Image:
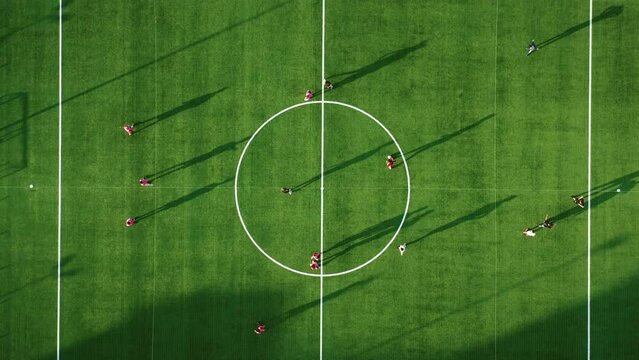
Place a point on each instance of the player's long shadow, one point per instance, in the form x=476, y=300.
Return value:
x=16, y=129
x=475, y=215
x=383, y=61
x=600, y=194
x=602, y=248
x=287, y=315
x=414, y=152
x=53, y=273
x=141, y=125
x=231, y=145
x=373, y=233
x=167, y=55
x=212, y=323
x=184, y=199
x=53, y=19
x=610, y=12
x=342, y=165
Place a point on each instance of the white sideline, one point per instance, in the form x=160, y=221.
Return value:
x=589, y=157
x=57, y=331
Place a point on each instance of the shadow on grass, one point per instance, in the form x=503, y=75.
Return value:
x=141, y=125
x=610, y=12
x=414, y=152
x=600, y=194
x=207, y=324
x=503, y=291
x=386, y=227
x=342, y=165
x=562, y=334
x=14, y=136
x=167, y=55
x=232, y=145
x=52, y=274
x=475, y=215
x=289, y=314
x=52, y=19
x=348, y=77
x=181, y=200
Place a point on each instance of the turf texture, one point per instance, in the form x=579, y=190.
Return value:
x=493, y=140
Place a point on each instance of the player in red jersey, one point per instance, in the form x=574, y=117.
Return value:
x=314, y=265
x=390, y=162
x=316, y=256
x=145, y=182
x=260, y=329
x=308, y=96
x=130, y=221
x=129, y=129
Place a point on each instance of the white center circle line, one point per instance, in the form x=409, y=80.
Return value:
x=239, y=212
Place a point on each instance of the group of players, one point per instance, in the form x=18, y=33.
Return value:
x=547, y=224
x=316, y=256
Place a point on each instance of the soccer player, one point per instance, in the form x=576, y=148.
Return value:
x=546, y=224
x=316, y=256
x=529, y=232
x=130, y=221
x=260, y=329
x=328, y=85
x=314, y=265
x=578, y=200
x=286, y=190
x=402, y=249
x=532, y=47
x=309, y=95
x=144, y=182
x=390, y=162
x=129, y=129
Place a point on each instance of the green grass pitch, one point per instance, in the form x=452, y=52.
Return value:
x=493, y=139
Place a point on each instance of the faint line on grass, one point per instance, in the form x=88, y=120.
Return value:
x=495, y=167
x=155, y=161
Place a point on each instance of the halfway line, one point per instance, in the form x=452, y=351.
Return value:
x=59, y=175
x=322, y=188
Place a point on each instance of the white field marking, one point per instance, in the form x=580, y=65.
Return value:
x=589, y=157
x=495, y=166
x=239, y=212
x=57, y=329
x=321, y=307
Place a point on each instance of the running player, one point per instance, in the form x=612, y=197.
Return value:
x=402, y=249
x=546, y=224
x=532, y=47
x=328, y=85
x=316, y=256
x=144, y=182
x=286, y=190
x=129, y=129
x=314, y=265
x=578, y=200
x=130, y=221
x=390, y=162
x=260, y=329
x=308, y=96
